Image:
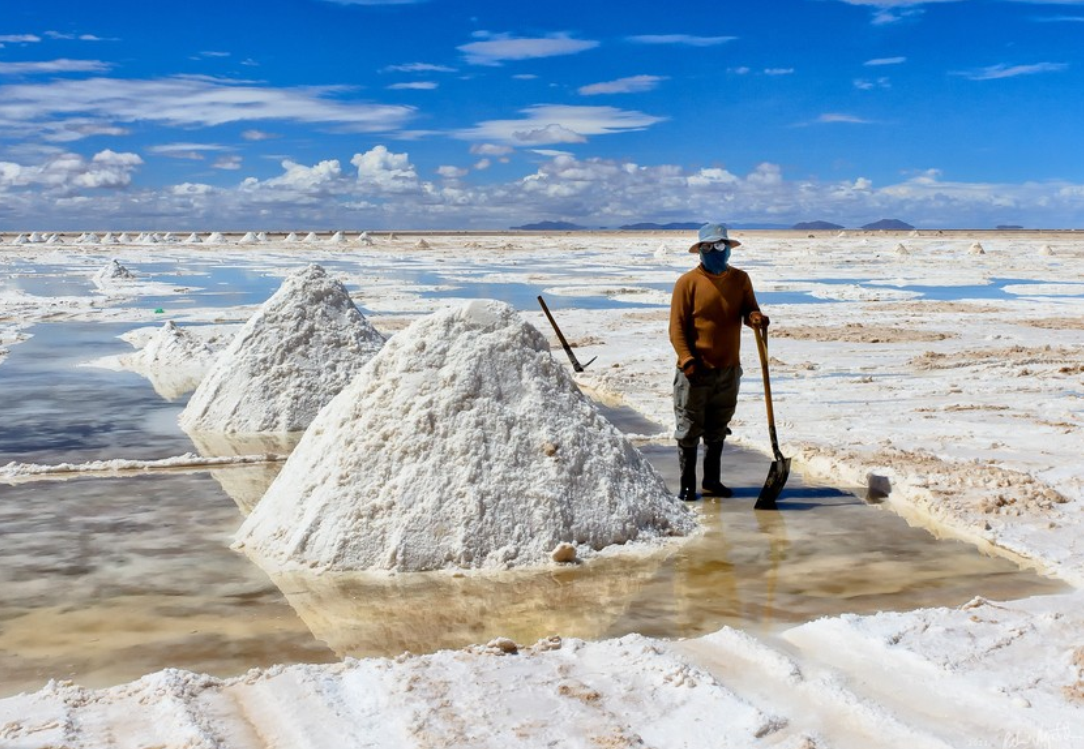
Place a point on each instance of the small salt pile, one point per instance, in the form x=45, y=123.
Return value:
x=169, y=238
x=976, y=249
x=422, y=245
x=54, y=239
x=661, y=252
x=109, y=238
x=111, y=273
x=261, y=236
x=901, y=249
x=193, y=238
x=216, y=238
x=35, y=238
x=175, y=360
x=291, y=237
x=1046, y=250
x=292, y=356
x=311, y=237
x=124, y=238
x=249, y=238
x=337, y=238
x=21, y=239
x=91, y=238
x=364, y=238
x=463, y=443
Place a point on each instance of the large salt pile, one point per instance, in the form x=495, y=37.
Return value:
x=174, y=360
x=292, y=356
x=463, y=443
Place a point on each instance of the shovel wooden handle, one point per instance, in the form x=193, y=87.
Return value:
x=762, y=348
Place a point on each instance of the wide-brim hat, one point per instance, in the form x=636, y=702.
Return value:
x=710, y=233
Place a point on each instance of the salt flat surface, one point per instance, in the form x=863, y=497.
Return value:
x=949, y=382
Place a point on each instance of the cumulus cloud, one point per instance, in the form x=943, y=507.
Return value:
x=229, y=163
x=452, y=172
x=494, y=49
x=191, y=151
x=490, y=149
x=66, y=173
x=257, y=135
x=631, y=85
x=687, y=40
x=382, y=171
x=546, y=124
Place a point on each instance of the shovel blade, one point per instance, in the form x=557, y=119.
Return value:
x=778, y=473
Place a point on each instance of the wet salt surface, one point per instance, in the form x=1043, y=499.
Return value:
x=104, y=580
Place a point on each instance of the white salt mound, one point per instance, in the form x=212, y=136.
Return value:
x=292, y=356
x=216, y=238
x=249, y=238
x=311, y=237
x=174, y=360
x=463, y=443
x=337, y=238
x=976, y=249
x=1046, y=250
x=193, y=238
x=111, y=273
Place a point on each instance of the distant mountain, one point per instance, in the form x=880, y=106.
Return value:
x=676, y=226
x=888, y=224
x=549, y=226
x=1007, y=227
x=816, y=225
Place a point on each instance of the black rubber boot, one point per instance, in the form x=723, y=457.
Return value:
x=712, y=459
x=687, y=461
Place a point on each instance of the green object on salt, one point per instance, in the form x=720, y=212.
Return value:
x=159, y=311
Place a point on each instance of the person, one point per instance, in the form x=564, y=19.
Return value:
x=707, y=309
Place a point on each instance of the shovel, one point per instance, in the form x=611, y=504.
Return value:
x=780, y=469
x=564, y=344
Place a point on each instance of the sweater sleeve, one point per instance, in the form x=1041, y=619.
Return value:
x=681, y=310
x=749, y=300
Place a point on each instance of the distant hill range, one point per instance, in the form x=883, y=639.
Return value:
x=550, y=226
x=888, y=224
x=1007, y=227
x=675, y=226
x=816, y=226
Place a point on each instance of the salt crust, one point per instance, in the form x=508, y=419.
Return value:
x=293, y=355
x=463, y=443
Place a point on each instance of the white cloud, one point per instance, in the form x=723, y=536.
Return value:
x=418, y=67
x=452, y=172
x=631, y=85
x=482, y=164
x=191, y=151
x=778, y=71
x=381, y=171
x=864, y=84
x=191, y=101
x=497, y=48
x=54, y=66
x=885, y=61
x=545, y=124
x=525, y=77
x=687, y=40
x=832, y=118
x=19, y=38
x=257, y=135
x=490, y=149
x=995, y=72
x=298, y=179
x=414, y=86
x=66, y=173
x=229, y=163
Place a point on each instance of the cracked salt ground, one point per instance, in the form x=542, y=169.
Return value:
x=108, y=579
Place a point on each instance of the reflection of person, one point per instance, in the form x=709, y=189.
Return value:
x=707, y=309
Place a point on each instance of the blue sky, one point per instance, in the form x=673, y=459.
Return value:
x=287, y=114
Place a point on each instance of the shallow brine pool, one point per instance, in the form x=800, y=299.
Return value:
x=105, y=579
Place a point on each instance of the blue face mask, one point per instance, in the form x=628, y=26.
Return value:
x=715, y=261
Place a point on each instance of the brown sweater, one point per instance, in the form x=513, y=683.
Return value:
x=706, y=315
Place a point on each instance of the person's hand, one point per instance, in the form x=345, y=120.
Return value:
x=758, y=320
x=689, y=369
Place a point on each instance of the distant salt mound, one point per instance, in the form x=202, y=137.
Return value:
x=976, y=249
x=21, y=239
x=364, y=238
x=193, y=238
x=901, y=249
x=293, y=356
x=216, y=238
x=337, y=238
x=422, y=245
x=463, y=443
x=1046, y=250
x=249, y=238
x=661, y=252
x=112, y=273
x=311, y=237
x=291, y=237
x=54, y=239
x=109, y=238
x=124, y=238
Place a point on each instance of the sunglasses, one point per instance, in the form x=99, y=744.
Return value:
x=720, y=245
